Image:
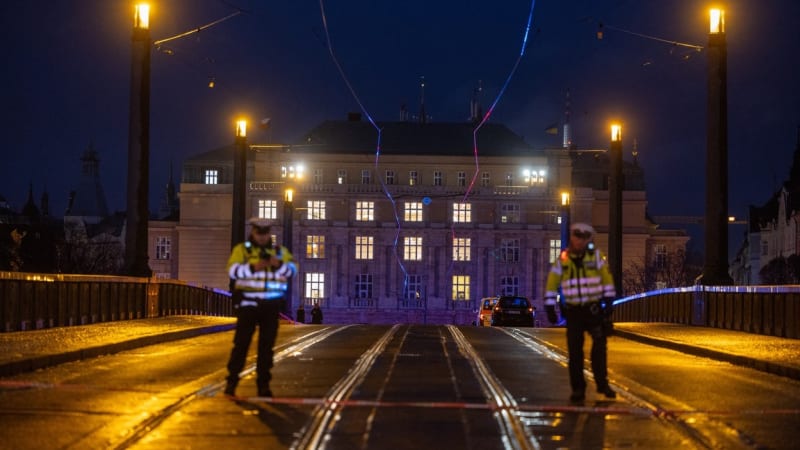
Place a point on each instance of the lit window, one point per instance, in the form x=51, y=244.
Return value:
x=163, y=247
x=267, y=209
x=341, y=176
x=315, y=247
x=462, y=178
x=412, y=248
x=365, y=211
x=318, y=176
x=413, y=212
x=364, y=246
x=460, y=288
x=462, y=212
x=316, y=210
x=366, y=177
x=437, y=177
x=315, y=285
x=211, y=176
x=364, y=285
x=462, y=249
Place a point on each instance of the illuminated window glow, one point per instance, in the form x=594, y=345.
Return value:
x=462, y=212
x=267, y=209
x=462, y=249
x=460, y=288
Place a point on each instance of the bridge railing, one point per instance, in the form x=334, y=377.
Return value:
x=769, y=310
x=31, y=301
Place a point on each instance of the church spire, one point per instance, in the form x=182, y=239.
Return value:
x=567, y=143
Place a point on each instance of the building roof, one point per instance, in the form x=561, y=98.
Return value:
x=410, y=138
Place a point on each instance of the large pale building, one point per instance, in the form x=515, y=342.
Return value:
x=416, y=230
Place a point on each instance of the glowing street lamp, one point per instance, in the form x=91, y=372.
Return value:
x=715, y=269
x=137, y=212
x=564, y=219
x=239, y=207
x=615, y=187
x=288, y=218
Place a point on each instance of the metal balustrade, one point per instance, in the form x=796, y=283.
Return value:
x=768, y=310
x=30, y=301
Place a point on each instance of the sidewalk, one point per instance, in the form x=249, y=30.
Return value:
x=25, y=351
x=779, y=356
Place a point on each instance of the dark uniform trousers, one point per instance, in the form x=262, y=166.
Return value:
x=587, y=318
x=265, y=316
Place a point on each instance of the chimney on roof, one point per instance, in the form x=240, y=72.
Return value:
x=567, y=134
x=354, y=117
x=475, y=107
x=423, y=118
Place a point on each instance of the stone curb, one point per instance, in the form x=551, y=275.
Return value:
x=739, y=360
x=40, y=362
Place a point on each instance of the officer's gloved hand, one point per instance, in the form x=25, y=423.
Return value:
x=608, y=308
x=552, y=317
x=607, y=303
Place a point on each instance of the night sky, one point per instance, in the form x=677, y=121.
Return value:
x=66, y=76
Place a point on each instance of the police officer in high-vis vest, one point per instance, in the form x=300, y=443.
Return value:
x=586, y=286
x=260, y=274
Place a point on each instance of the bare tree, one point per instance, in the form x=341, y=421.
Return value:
x=101, y=254
x=675, y=271
x=781, y=271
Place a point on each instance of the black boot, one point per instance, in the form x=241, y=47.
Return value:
x=230, y=389
x=607, y=391
x=264, y=391
x=577, y=396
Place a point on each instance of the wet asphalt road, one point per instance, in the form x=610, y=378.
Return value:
x=402, y=387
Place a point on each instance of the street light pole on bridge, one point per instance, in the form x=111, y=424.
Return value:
x=615, y=186
x=137, y=212
x=715, y=269
x=239, y=207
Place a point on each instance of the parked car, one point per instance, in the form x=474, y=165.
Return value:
x=512, y=310
x=485, y=311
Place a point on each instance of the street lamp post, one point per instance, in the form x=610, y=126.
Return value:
x=239, y=183
x=615, y=186
x=715, y=269
x=288, y=218
x=137, y=213
x=564, y=219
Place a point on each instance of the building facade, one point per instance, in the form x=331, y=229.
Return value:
x=417, y=233
x=772, y=239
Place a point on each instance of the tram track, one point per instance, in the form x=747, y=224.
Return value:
x=142, y=428
x=699, y=428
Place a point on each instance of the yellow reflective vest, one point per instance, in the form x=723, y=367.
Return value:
x=263, y=284
x=581, y=280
